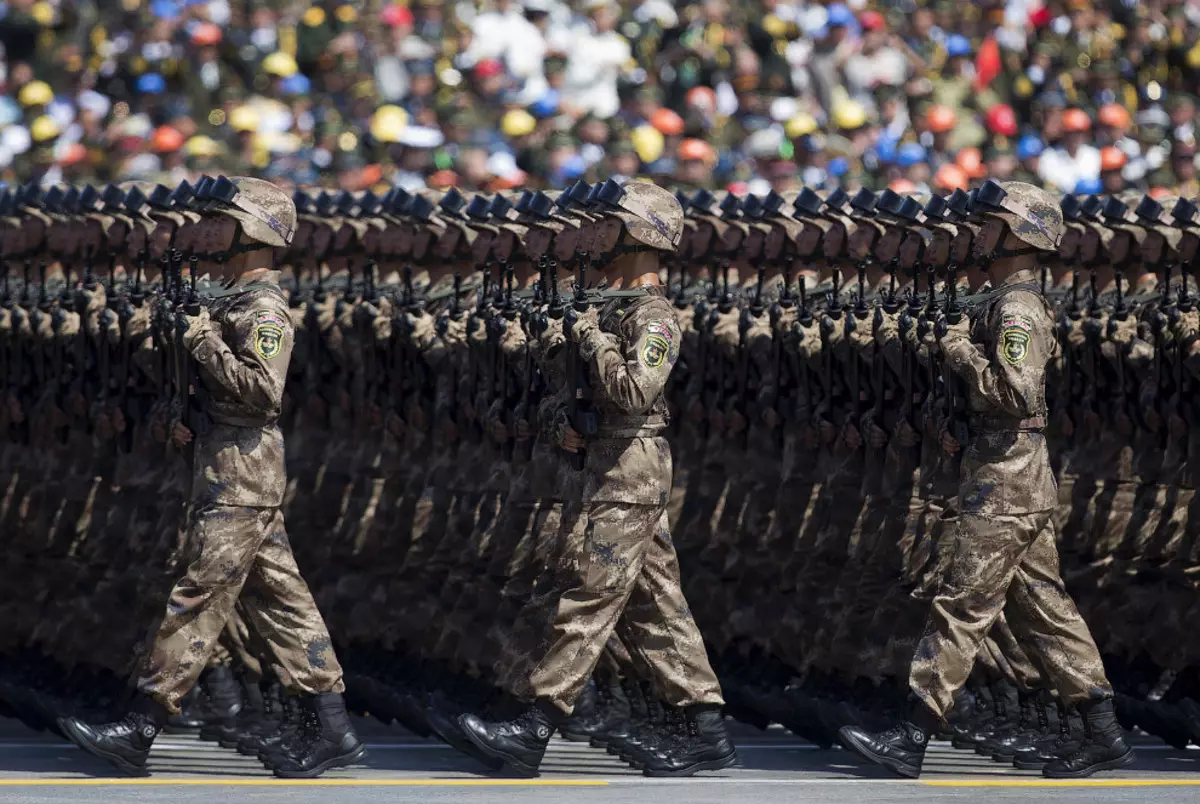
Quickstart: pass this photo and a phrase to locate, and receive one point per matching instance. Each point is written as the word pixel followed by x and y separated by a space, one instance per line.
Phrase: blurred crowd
pixel 909 94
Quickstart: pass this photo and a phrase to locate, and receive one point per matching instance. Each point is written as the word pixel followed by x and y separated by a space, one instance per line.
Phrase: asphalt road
pixel 401 768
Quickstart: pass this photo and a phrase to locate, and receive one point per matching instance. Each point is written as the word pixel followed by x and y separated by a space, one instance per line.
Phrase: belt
pixel 255 422
pixel 1006 424
pixel 631 426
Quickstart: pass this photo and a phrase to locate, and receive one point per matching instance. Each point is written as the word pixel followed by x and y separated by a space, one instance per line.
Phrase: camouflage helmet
pixel 651 214
pixel 1032 214
pixel 267 213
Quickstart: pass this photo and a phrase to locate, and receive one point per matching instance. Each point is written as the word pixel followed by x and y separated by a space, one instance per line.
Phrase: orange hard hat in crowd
pixel 693 148
pixel 1112 158
pixel 667 121
pixel 902 186
pixel 1113 115
pixel 1001 119
pixel 166 139
pixel 951 177
pixel 971 162
pixel 940 118
pixel 1076 120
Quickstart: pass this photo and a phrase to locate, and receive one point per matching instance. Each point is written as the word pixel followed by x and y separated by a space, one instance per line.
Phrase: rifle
pixel 582 417
pixel 958 425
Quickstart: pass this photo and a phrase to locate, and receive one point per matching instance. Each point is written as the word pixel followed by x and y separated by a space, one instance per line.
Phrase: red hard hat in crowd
pixel 1112 158
pixel 1113 115
pixel 1001 119
pixel 1076 120
pixel 667 121
pixel 871 21
pixel 693 148
pixel 951 177
pixel 940 118
pixel 971 162
pixel 166 139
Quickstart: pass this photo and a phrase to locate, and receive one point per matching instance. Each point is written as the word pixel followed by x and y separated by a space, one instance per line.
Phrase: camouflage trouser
pixel 240 552
pixel 1005 563
pixel 626 570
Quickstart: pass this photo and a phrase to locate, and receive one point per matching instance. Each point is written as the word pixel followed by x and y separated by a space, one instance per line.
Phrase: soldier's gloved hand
pixel 584 323
pixel 948 333
pixel 16 413
pixel 770 417
pixel 523 431
pixel 1187 325
pixel 907 435
pixel 736 421
pixel 877 437
pixel 1121 332
pixel 851 437
pixel 826 432
pixel 396 426
pixel 950 444
pixel 181 436
pixel 497 430
pixel 197 327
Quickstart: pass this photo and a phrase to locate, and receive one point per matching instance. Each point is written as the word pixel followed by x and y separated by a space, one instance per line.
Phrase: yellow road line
pixel 1067 783
pixel 303 782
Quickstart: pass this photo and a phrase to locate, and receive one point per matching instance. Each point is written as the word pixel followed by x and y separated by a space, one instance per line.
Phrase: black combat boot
pixel 1103 746
pixel 901 748
pixel 1041 722
pixel 333 744
pixel 704 745
pixel 224 696
pixel 588 711
pixel 1044 751
pixel 298 724
pixel 519 743
pixel 630 711
pixel 191 715
pixel 124 744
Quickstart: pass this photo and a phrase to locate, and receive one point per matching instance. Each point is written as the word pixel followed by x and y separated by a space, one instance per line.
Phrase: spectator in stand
pixel 484 94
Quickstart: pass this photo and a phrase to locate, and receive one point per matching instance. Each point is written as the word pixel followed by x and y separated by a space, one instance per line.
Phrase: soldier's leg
pixel 224 541
pixel 627 553
pixel 990 557
pixel 281 609
pixel 1044 618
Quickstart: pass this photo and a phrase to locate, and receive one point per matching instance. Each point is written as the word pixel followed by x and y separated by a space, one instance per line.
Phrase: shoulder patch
pixel 660 328
pixel 268 317
pixel 268 333
pixel 1017 321
pixel 655 350
pixel 1014 344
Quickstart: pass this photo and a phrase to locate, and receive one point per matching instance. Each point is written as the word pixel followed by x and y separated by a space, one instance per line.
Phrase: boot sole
pixel 1123 761
pixel 469 748
pixel 523 768
pixel 119 762
pixel 345 760
pixel 1027 764
pixel 707 765
pixel 885 762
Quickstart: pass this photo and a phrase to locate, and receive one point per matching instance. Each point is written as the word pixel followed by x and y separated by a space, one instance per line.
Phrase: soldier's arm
pixel 1012 378
pixel 633 371
pixel 253 366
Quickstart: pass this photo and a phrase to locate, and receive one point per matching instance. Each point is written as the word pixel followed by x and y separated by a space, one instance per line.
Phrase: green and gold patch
pixel 268 340
pixel 1014 345
pixel 655 350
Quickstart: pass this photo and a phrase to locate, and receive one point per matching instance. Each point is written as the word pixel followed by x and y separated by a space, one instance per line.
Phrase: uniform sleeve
pixel 1010 373
pixel 253 365
pixel 633 371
